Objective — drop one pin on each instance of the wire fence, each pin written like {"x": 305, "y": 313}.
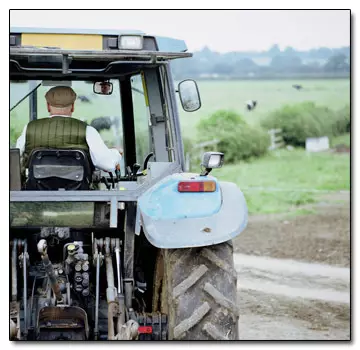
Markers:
{"x": 276, "y": 189}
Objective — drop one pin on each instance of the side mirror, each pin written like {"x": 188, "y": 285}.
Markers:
{"x": 189, "y": 95}
{"x": 103, "y": 88}
{"x": 211, "y": 160}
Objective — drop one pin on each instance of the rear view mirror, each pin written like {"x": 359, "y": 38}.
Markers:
{"x": 103, "y": 88}
{"x": 189, "y": 95}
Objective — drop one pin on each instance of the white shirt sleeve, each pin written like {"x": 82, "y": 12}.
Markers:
{"x": 102, "y": 157}
{"x": 20, "y": 143}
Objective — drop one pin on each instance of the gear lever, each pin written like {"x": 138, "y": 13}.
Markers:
{"x": 136, "y": 168}
{"x": 117, "y": 172}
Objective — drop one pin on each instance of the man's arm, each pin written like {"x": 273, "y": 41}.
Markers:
{"x": 20, "y": 143}
{"x": 102, "y": 157}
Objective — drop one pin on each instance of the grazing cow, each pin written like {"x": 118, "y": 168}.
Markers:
{"x": 83, "y": 98}
{"x": 297, "y": 86}
{"x": 101, "y": 123}
{"x": 251, "y": 104}
{"x": 105, "y": 123}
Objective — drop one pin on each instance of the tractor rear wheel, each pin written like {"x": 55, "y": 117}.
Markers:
{"x": 196, "y": 288}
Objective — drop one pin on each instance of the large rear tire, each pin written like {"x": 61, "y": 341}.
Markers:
{"x": 196, "y": 288}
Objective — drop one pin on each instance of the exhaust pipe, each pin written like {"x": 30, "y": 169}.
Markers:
{"x": 49, "y": 268}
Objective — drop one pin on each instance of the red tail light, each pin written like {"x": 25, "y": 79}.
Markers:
{"x": 197, "y": 186}
{"x": 145, "y": 329}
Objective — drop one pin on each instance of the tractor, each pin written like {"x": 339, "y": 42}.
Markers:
{"x": 140, "y": 253}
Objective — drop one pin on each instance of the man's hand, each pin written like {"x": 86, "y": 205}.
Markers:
{"x": 120, "y": 150}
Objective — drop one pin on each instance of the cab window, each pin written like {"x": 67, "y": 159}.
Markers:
{"x": 100, "y": 111}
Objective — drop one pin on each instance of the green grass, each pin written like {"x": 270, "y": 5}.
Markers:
{"x": 341, "y": 140}
{"x": 293, "y": 172}
{"x": 270, "y": 94}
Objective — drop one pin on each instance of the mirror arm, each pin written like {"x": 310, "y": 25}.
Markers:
{"x": 205, "y": 172}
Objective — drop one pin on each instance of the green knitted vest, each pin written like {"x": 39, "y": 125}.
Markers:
{"x": 55, "y": 132}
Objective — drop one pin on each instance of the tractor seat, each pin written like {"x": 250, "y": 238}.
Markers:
{"x": 59, "y": 169}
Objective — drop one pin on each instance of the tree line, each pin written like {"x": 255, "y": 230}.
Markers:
{"x": 271, "y": 63}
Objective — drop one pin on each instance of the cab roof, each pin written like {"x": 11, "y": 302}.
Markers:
{"x": 164, "y": 44}
{"x": 60, "y": 52}
{"x": 39, "y": 30}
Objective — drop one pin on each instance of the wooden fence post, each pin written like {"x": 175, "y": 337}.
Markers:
{"x": 276, "y": 139}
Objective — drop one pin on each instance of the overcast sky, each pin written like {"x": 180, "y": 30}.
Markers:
{"x": 220, "y": 30}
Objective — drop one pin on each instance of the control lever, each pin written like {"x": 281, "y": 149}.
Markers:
{"x": 136, "y": 168}
{"x": 112, "y": 179}
{"x": 49, "y": 269}
{"x": 117, "y": 172}
{"x": 129, "y": 171}
{"x": 106, "y": 182}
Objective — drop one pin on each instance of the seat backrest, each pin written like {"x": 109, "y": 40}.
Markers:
{"x": 54, "y": 169}
{"x": 15, "y": 173}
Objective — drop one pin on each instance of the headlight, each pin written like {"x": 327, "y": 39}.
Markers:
{"x": 130, "y": 42}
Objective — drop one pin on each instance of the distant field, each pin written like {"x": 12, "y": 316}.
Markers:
{"x": 270, "y": 95}
{"x": 215, "y": 95}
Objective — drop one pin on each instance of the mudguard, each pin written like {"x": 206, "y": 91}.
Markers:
{"x": 170, "y": 219}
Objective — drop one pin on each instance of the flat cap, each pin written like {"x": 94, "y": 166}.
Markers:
{"x": 60, "y": 96}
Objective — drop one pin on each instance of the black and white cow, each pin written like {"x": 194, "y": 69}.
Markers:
{"x": 251, "y": 104}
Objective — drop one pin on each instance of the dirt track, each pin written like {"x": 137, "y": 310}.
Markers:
{"x": 294, "y": 276}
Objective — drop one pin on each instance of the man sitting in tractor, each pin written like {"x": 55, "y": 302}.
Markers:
{"x": 61, "y": 131}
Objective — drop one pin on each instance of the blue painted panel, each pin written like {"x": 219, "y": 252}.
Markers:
{"x": 170, "y": 45}
{"x": 227, "y": 223}
{"x": 163, "y": 201}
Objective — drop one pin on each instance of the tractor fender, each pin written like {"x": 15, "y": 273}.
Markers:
{"x": 170, "y": 219}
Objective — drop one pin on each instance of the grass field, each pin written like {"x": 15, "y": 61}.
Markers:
{"x": 270, "y": 94}
{"x": 215, "y": 95}
{"x": 341, "y": 140}
{"x": 285, "y": 180}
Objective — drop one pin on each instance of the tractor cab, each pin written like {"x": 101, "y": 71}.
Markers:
{"x": 124, "y": 90}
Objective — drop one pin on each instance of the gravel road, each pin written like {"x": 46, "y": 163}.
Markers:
{"x": 294, "y": 277}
